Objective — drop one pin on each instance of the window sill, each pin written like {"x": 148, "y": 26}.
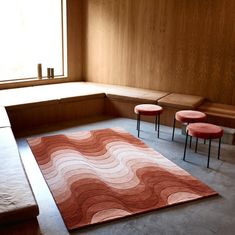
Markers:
{"x": 32, "y": 82}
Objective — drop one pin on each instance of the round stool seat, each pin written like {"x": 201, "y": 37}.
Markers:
{"x": 205, "y": 130}
{"x": 190, "y": 116}
{"x": 148, "y": 109}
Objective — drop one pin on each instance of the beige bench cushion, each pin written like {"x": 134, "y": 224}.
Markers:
{"x": 80, "y": 90}
{"x": 129, "y": 94}
{"x": 47, "y": 93}
{"x": 181, "y": 101}
{"x": 83, "y": 97}
{"x": 17, "y": 201}
{"x": 26, "y": 95}
{"x": 218, "y": 110}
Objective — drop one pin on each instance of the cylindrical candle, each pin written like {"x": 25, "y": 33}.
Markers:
{"x": 48, "y": 72}
{"x": 39, "y": 71}
{"x": 52, "y": 72}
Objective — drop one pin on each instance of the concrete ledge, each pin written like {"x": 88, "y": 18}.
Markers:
{"x": 229, "y": 135}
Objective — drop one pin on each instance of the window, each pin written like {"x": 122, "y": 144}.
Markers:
{"x": 32, "y": 33}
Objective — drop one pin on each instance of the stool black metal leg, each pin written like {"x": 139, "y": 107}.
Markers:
{"x": 219, "y": 148}
{"x": 204, "y": 141}
{"x": 190, "y": 143}
{"x": 158, "y": 120}
{"x": 138, "y": 124}
{"x": 196, "y": 144}
{"x": 186, "y": 141}
{"x": 209, "y": 152}
{"x": 173, "y": 133}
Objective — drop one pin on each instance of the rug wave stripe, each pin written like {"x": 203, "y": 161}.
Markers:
{"x": 101, "y": 175}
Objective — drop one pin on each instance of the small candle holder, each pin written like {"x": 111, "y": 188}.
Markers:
{"x": 52, "y": 73}
{"x": 39, "y": 71}
{"x": 48, "y": 73}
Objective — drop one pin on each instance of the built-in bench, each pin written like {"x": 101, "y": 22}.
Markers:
{"x": 17, "y": 200}
{"x": 220, "y": 114}
{"x": 121, "y": 100}
{"x": 37, "y": 106}
{"x": 223, "y": 115}
{"x": 175, "y": 102}
{"x": 43, "y": 105}
{"x": 32, "y": 107}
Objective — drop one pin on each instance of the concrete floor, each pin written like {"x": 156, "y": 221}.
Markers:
{"x": 214, "y": 215}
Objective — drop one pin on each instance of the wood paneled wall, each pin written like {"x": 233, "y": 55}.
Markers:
{"x": 74, "y": 39}
{"x": 185, "y": 46}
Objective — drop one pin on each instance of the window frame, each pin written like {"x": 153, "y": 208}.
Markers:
{"x": 21, "y": 82}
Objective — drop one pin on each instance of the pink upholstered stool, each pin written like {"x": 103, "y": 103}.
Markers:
{"x": 204, "y": 131}
{"x": 148, "y": 110}
{"x": 188, "y": 116}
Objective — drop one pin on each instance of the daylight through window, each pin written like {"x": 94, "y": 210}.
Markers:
{"x": 32, "y": 32}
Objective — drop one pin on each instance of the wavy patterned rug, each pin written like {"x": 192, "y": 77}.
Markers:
{"x": 105, "y": 174}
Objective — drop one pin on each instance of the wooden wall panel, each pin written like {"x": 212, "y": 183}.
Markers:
{"x": 185, "y": 46}
{"x": 74, "y": 39}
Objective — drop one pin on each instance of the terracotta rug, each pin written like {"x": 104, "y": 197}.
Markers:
{"x": 101, "y": 175}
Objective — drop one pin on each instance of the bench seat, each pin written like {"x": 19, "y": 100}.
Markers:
{"x": 17, "y": 201}
{"x": 32, "y": 107}
{"x": 219, "y": 114}
{"x": 181, "y": 101}
{"x": 130, "y": 94}
{"x": 46, "y": 93}
{"x": 175, "y": 102}
{"x": 121, "y": 100}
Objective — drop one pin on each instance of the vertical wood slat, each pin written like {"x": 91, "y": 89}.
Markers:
{"x": 74, "y": 39}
